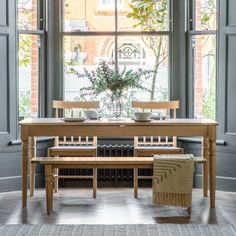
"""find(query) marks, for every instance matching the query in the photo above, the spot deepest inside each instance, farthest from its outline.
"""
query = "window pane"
(204, 52)
(81, 53)
(89, 15)
(28, 75)
(133, 53)
(110, 4)
(144, 15)
(205, 14)
(27, 14)
(148, 53)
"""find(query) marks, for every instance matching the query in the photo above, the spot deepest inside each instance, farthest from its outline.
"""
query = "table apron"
(119, 130)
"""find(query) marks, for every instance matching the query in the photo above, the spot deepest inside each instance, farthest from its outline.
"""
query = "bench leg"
(94, 182)
(49, 187)
(136, 182)
(32, 179)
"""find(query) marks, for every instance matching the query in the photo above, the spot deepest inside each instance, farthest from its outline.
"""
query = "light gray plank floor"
(113, 206)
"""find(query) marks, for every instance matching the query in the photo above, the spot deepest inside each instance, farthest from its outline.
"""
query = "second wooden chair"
(150, 146)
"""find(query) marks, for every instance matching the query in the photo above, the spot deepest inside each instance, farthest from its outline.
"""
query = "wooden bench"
(52, 163)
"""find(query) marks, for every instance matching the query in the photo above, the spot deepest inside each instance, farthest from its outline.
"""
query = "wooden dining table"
(35, 127)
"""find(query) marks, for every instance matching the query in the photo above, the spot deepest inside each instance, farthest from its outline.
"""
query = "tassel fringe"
(172, 199)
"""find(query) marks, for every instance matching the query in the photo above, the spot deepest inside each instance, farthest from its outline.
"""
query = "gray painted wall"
(8, 101)
(225, 170)
(10, 166)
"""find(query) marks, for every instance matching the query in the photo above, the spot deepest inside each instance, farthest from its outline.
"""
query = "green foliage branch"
(109, 78)
(152, 15)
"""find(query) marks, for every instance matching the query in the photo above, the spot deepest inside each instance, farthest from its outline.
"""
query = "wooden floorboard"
(113, 206)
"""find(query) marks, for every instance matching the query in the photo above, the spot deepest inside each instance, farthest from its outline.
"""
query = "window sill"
(220, 142)
(45, 139)
(181, 139)
(38, 139)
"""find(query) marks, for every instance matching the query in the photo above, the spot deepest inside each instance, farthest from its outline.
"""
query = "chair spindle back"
(70, 105)
(170, 107)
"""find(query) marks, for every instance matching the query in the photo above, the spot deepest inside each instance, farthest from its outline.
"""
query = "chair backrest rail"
(156, 105)
(76, 104)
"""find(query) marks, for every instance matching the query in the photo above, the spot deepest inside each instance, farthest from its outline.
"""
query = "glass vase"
(116, 108)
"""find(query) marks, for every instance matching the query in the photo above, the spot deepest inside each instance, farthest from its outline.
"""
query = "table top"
(61, 122)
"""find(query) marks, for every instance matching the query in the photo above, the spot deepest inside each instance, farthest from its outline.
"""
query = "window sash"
(190, 18)
(40, 32)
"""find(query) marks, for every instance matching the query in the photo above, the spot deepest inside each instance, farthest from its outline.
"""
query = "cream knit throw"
(173, 180)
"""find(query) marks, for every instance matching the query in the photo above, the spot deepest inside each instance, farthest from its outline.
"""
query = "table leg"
(205, 166)
(24, 171)
(212, 164)
(49, 187)
(32, 154)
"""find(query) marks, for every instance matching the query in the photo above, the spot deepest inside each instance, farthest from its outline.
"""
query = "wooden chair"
(149, 146)
(74, 146)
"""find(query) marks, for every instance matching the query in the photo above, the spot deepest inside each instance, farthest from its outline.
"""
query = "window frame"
(116, 34)
(111, 5)
(191, 32)
(41, 33)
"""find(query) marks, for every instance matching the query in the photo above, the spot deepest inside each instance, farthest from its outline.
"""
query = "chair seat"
(157, 147)
(72, 147)
(199, 160)
(152, 150)
(72, 151)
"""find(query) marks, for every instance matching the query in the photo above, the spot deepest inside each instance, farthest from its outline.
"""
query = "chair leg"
(136, 154)
(189, 210)
(32, 179)
(49, 187)
(56, 180)
(32, 154)
(136, 182)
(94, 182)
(205, 179)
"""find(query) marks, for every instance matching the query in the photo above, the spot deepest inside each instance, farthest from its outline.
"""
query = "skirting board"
(222, 183)
(13, 183)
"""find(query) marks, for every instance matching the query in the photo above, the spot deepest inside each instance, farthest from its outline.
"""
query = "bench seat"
(102, 162)
(95, 162)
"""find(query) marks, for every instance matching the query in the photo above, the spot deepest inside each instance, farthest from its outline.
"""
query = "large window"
(30, 44)
(132, 34)
(203, 56)
(119, 32)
